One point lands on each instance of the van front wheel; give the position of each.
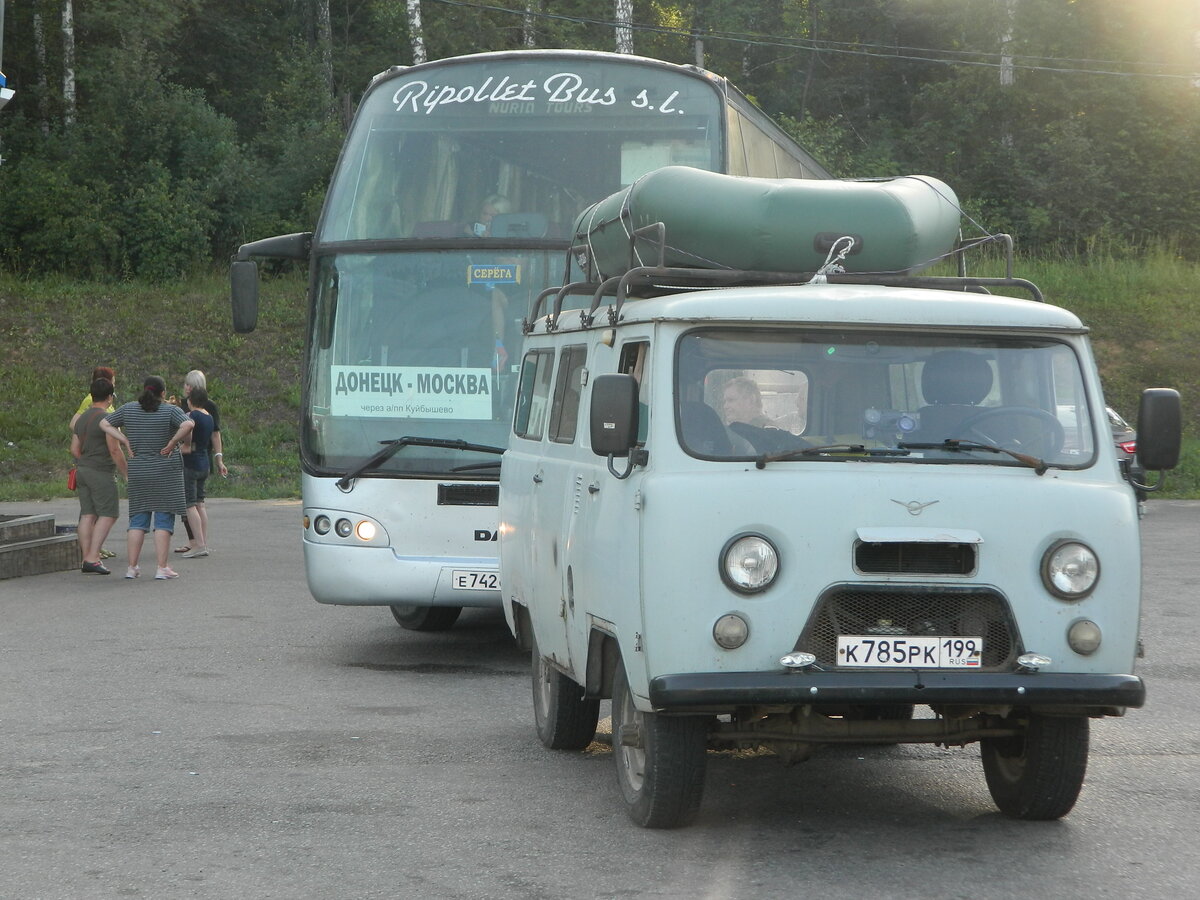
(1037, 774)
(565, 719)
(660, 760)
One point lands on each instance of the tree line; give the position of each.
(148, 138)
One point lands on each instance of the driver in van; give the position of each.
(742, 402)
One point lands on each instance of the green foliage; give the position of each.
(203, 125)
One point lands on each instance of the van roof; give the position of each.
(843, 304)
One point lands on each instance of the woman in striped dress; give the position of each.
(153, 431)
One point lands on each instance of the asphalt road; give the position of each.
(223, 736)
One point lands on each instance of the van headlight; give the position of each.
(1070, 570)
(749, 563)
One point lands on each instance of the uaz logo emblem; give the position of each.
(915, 507)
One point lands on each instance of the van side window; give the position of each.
(633, 362)
(564, 415)
(533, 395)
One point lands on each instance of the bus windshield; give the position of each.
(404, 345)
(544, 137)
(450, 210)
(896, 397)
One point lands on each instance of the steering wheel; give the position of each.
(1043, 440)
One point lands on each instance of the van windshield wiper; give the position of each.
(962, 445)
(391, 447)
(846, 449)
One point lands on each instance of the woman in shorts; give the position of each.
(151, 431)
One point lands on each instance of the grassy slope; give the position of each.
(1144, 332)
(54, 332)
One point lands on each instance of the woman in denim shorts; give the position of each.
(152, 432)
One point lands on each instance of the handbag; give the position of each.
(71, 479)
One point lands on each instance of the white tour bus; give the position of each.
(448, 212)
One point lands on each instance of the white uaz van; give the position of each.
(785, 516)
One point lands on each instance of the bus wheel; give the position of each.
(1037, 774)
(425, 618)
(565, 719)
(660, 760)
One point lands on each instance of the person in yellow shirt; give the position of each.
(99, 372)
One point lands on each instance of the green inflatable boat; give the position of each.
(715, 221)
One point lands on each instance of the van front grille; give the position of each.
(918, 610)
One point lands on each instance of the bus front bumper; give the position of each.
(377, 576)
(716, 691)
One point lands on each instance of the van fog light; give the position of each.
(1084, 637)
(731, 631)
(749, 563)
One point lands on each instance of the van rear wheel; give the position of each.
(565, 719)
(660, 760)
(425, 618)
(1037, 774)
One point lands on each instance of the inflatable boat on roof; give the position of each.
(714, 221)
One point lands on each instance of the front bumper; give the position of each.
(724, 690)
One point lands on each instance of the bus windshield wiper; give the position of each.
(847, 449)
(962, 445)
(391, 447)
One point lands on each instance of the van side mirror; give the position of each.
(614, 414)
(1159, 429)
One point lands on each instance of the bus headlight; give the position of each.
(749, 563)
(365, 530)
(343, 528)
(322, 525)
(1070, 570)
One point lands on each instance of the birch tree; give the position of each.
(624, 19)
(528, 32)
(416, 33)
(325, 47)
(68, 33)
(43, 77)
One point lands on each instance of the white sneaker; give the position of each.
(133, 572)
(164, 574)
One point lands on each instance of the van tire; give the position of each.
(425, 618)
(565, 719)
(662, 780)
(1037, 775)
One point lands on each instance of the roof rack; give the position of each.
(642, 282)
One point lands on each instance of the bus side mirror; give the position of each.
(243, 289)
(1159, 429)
(243, 273)
(614, 414)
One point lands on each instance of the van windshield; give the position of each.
(947, 398)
